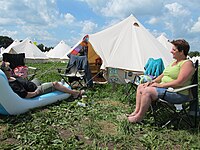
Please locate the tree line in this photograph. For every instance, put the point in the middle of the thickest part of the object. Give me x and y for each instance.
(6, 41)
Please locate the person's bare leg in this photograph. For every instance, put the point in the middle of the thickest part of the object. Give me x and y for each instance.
(146, 99)
(64, 89)
(138, 100)
(145, 103)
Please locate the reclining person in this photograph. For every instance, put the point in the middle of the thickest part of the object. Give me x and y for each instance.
(178, 74)
(28, 89)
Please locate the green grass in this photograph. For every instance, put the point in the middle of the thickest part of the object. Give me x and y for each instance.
(64, 125)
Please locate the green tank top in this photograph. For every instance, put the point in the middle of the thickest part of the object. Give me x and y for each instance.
(171, 73)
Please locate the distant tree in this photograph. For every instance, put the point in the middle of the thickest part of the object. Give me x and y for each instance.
(194, 53)
(41, 47)
(5, 41)
(44, 48)
(48, 48)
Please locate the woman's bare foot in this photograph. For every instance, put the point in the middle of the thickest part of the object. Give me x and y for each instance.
(134, 119)
(132, 114)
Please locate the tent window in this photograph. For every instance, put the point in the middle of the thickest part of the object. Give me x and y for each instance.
(136, 24)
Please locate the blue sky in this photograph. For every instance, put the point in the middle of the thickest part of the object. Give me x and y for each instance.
(50, 21)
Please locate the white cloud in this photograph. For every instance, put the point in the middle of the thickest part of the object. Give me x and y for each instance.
(196, 26)
(153, 20)
(38, 34)
(95, 5)
(45, 20)
(5, 21)
(177, 10)
(38, 12)
(123, 8)
(69, 18)
(176, 19)
(88, 26)
(8, 32)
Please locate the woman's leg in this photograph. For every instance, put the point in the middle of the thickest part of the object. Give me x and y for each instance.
(146, 98)
(140, 89)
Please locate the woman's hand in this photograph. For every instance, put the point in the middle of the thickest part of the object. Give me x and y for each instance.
(147, 84)
(152, 84)
(156, 85)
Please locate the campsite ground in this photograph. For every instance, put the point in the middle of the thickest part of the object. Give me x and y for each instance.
(99, 125)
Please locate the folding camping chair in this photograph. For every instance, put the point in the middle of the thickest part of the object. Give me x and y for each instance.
(175, 113)
(153, 68)
(77, 73)
(17, 64)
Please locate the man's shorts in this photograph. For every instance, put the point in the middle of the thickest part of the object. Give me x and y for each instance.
(46, 88)
(171, 97)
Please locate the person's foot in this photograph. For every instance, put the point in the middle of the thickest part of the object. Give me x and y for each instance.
(132, 114)
(134, 119)
(79, 94)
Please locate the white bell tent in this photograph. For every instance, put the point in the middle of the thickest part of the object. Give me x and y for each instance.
(126, 45)
(59, 51)
(32, 52)
(8, 49)
(165, 42)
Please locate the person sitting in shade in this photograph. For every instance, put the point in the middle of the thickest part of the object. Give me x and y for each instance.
(28, 89)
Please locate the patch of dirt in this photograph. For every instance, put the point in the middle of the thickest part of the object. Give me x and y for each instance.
(81, 137)
(109, 146)
(65, 133)
(10, 141)
(85, 121)
(2, 129)
(111, 102)
(108, 127)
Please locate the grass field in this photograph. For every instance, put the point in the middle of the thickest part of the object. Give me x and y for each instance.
(65, 125)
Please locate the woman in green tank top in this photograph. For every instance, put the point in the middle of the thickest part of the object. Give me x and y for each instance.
(177, 74)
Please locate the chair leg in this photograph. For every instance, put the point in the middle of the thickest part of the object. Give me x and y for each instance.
(153, 108)
(176, 116)
(65, 80)
(129, 92)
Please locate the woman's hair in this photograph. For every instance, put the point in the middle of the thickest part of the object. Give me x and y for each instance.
(181, 45)
(4, 66)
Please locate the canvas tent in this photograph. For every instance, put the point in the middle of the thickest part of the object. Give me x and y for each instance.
(59, 51)
(32, 52)
(126, 45)
(165, 42)
(14, 43)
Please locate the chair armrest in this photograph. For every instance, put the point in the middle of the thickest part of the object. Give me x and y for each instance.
(181, 89)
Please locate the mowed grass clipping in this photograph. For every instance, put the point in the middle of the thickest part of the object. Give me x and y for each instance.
(99, 125)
